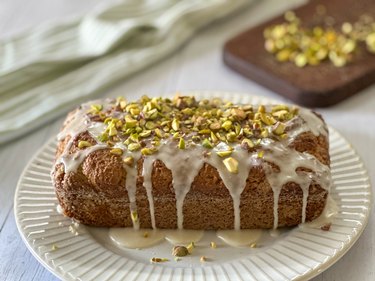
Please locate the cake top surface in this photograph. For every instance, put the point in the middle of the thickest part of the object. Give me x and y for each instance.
(214, 124)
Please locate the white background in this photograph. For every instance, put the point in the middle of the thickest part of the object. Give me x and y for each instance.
(197, 66)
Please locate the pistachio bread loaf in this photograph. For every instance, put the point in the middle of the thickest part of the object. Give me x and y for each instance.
(183, 163)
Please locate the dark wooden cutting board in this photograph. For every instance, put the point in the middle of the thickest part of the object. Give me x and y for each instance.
(313, 86)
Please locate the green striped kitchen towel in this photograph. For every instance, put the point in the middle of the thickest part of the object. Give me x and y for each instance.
(48, 69)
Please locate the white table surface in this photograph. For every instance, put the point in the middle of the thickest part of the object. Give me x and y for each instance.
(197, 66)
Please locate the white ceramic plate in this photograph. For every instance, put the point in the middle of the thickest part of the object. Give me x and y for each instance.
(299, 253)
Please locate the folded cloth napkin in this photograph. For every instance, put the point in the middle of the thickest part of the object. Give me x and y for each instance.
(48, 69)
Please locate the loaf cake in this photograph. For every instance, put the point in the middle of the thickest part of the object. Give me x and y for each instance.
(183, 163)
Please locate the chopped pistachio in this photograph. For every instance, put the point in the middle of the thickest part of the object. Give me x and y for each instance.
(237, 129)
(134, 137)
(83, 144)
(300, 60)
(238, 113)
(261, 109)
(122, 104)
(134, 146)
(180, 251)
(176, 135)
(112, 131)
(150, 125)
(190, 247)
(134, 111)
(54, 247)
(278, 128)
(155, 142)
(215, 126)
(204, 132)
(264, 133)
(130, 122)
(247, 132)
(145, 133)
(134, 216)
(253, 245)
(110, 143)
(267, 119)
(213, 245)
(247, 143)
(159, 260)
(187, 111)
(129, 160)
(231, 137)
(145, 234)
(260, 154)
(224, 153)
(207, 144)
(196, 139)
(181, 143)
(96, 107)
(203, 259)
(280, 114)
(116, 151)
(231, 164)
(283, 136)
(227, 125)
(214, 138)
(175, 124)
(148, 150)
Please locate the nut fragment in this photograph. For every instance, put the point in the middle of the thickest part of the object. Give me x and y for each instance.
(96, 108)
(231, 164)
(175, 124)
(134, 216)
(83, 144)
(116, 151)
(203, 259)
(215, 126)
(278, 128)
(227, 125)
(190, 247)
(224, 153)
(247, 144)
(148, 150)
(145, 133)
(207, 144)
(180, 251)
(159, 260)
(260, 154)
(213, 245)
(181, 143)
(134, 146)
(129, 160)
(326, 227)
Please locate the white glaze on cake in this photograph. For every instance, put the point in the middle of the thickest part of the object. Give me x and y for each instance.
(186, 163)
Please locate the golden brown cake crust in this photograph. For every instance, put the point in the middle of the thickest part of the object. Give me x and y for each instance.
(95, 194)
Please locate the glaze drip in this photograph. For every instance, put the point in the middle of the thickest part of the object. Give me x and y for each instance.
(147, 183)
(184, 165)
(280, 154)
(234, 182)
